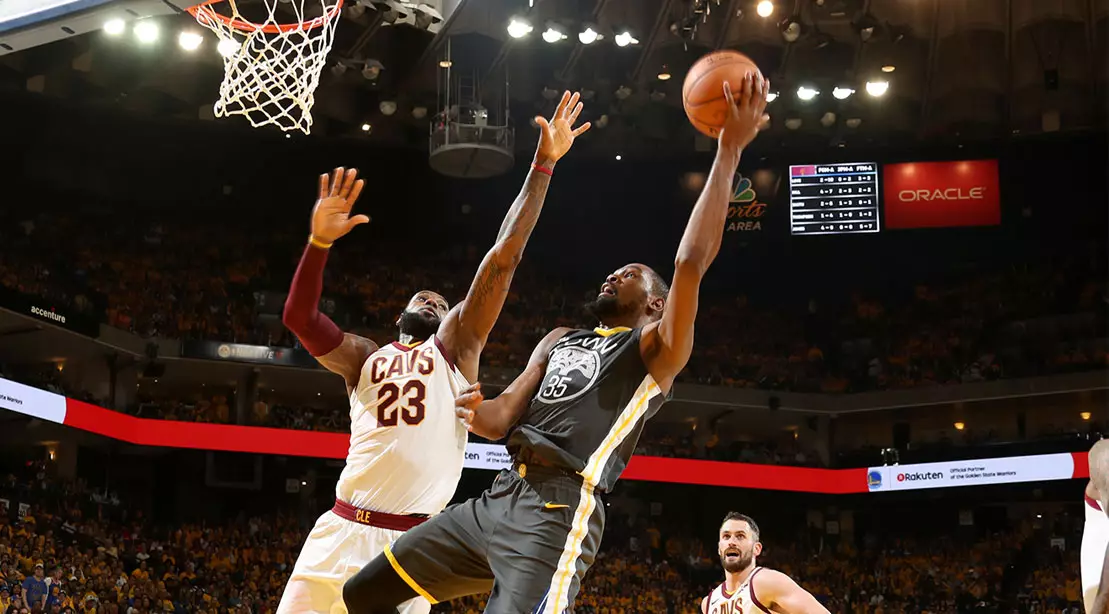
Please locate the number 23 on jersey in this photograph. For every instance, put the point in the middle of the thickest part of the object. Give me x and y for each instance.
(396, 403)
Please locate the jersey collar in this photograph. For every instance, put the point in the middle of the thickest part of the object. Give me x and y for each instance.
(608, 332)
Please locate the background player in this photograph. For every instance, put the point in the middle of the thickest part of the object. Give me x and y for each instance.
(581, 404)
(1095, 533)
(406, 445)
(748, 587)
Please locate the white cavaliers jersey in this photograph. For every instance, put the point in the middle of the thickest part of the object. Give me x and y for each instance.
(406, 445)
(1095, 538)
(742, 601)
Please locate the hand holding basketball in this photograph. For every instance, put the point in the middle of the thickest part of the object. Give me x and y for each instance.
(466, 403)
(558, 134)
(746, 112)
(331, 217)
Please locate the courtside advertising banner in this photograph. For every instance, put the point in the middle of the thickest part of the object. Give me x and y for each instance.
(942, 194)
(494, 457)
(32, 401)
(981, 472)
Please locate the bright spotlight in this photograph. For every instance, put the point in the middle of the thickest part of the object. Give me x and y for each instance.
(807, 93)
(228, 47)
(771, 96)
(625, 38)
(619, 157)
(553, 36)
(365, 127)
(842, 93)
(877, 88)
(189, 41)
(588, 36)
(115, 27)
(518, 28)
(765, 8)
(146, 31)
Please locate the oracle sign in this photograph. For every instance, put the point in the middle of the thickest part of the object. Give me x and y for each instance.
(942, 194)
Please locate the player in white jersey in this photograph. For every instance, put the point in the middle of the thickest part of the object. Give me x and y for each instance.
(747, 587)
(406, 445)
(1095, 533)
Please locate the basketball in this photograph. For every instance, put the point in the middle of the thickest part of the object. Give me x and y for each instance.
(703, 90)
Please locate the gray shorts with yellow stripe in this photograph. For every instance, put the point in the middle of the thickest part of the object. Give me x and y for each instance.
(529, 539)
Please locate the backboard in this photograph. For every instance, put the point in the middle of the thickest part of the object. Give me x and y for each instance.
(29, 23)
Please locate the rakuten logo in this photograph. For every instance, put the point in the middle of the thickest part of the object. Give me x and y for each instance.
(910, 196)
(920, 475)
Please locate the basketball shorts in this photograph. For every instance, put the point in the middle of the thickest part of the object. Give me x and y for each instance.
(334, 551)
(529, 539)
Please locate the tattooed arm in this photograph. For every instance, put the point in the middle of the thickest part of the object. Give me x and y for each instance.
(467, 327)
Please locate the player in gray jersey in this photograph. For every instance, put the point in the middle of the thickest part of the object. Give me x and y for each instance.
(575, 415)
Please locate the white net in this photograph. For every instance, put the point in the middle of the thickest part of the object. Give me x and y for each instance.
(272, 62)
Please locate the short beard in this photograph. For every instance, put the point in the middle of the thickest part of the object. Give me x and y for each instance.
(741, 563)
(604, 307)
(418, 326)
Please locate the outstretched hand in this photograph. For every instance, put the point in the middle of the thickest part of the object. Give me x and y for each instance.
(746, 112)
(331, 217)
(466, 403)
(557, 134)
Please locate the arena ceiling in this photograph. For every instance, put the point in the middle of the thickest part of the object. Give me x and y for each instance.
(964, 70)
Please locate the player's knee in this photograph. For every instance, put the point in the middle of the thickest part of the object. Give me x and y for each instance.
(377, 589)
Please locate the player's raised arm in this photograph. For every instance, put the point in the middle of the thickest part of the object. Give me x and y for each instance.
(331, 220)
(666, 346)
(493, 418)
(784, 596)
(466, 328)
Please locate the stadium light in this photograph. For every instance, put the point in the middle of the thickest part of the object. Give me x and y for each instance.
(553, 35)
(877, 88)
(842, 93)
(190, 41)
(228, 47)
(771, 96)
(146, 31)
(765, 8)
(807, 93)
(588, 36)
(114, 27)
(625, 38)
(518, 27)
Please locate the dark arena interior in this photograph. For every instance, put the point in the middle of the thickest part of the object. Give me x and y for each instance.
(900, 359)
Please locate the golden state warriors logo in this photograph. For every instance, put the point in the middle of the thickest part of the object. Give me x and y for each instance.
(744, 210)
(571, 371)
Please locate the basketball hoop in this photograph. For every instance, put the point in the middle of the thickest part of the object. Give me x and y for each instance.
(271, 69)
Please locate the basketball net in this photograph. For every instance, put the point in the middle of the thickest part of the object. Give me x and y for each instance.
(271, 69)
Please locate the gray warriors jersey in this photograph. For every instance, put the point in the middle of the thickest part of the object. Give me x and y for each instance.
(591, 406)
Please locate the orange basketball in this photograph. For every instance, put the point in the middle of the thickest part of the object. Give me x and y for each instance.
(703, 90)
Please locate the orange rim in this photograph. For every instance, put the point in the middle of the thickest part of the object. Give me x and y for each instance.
(206, 16)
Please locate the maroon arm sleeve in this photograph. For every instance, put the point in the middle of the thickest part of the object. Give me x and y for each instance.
(317, 333)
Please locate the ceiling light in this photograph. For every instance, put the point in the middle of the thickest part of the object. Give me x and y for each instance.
(419, 112)
(387, 107)
(372, 70)
(588, 36)
(549, 93)
(853, 122)
(365, 127)
(658, 95)
(602, 121)
(619, 157)
(889, 68)
(114, 27)
(793, 123)
(791, 29)
(842, 93)
(553, 35)
(771, 96)
(807, 93)
(765, 8)
(828, 119)
(1084, 415)
(877, 88)
(444, 63)
(623, 92)
(146, 31)
(960, 426)
(625, 38)
(228, 47)
(518, 28)
(664, 74)
(189, 41)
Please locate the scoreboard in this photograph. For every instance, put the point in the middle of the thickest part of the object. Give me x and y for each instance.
(828, 199)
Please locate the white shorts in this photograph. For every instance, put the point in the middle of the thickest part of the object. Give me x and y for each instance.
(335, 550)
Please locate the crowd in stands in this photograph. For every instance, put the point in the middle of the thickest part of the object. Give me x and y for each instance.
(72, 548)
(182, 279)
